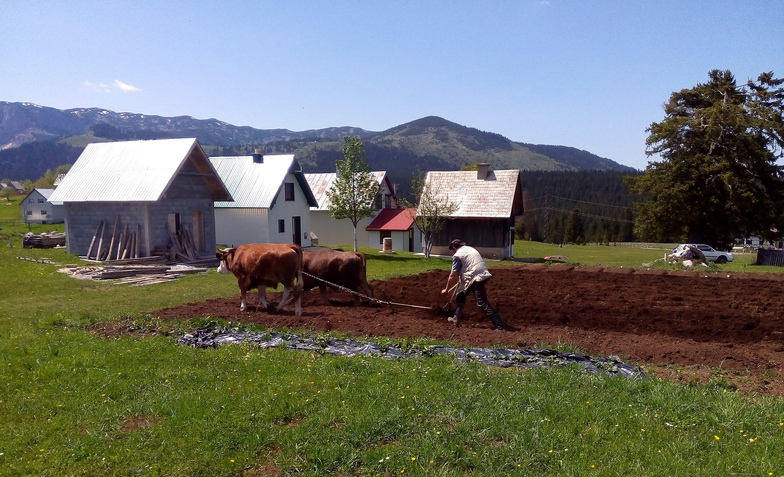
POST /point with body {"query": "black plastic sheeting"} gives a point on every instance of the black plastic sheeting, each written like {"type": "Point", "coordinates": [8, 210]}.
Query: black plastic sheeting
{"type": "Point", "coordinates": [506, 358]}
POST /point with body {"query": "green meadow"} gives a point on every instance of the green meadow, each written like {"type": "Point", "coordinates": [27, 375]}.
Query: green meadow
{"type": "Point", "coordinates": [73, 402]}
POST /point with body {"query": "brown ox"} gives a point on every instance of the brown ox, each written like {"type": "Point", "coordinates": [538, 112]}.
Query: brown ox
{"type": "Point", "coordinates": [345, 269]}
{"type": "Point", "coordinates": [262, 265]}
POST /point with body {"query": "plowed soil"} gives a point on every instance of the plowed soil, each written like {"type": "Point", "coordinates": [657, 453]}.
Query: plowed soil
{"type": "Point", "coordinates": [687, 326]}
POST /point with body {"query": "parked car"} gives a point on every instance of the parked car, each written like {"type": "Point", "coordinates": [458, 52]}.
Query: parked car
{"type": "Point", "coordinates": [711, 254]}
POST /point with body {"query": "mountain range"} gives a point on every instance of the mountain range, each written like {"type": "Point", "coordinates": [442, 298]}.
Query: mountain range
{"type": "Point", "coordinates": [36, 138]}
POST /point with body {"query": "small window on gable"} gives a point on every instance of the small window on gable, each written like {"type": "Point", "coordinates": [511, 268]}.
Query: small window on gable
{"type": "Point", "coordinates": [281, 225]}
{"type": "Point", "coordinates": [41, 201]}
{"type": "Point", "coordinates": [289, 190]}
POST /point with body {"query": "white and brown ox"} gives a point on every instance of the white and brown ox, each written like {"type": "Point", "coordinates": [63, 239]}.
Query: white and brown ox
{"type": "Point", "coordinates": [262, 265]}
{"type": "Point", "coordinates": [345, 269]}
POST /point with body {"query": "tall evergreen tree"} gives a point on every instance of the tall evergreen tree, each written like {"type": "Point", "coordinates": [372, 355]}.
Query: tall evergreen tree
{"type": "Point", "coordinates": [718, 176]}
{"type": "Point", "coordinates": [353, 194]}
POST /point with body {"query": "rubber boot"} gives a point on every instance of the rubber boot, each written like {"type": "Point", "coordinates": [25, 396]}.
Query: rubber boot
{"type": "Point", "coordinates": [498, 323]}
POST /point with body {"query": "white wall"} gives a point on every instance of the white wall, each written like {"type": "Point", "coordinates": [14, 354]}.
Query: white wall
{"type": "Point", "coordinates": [337, 232]}
{"type": "Point", "coordinates": [286, 210]}
{"type": "Point", "coordinates": [240, 226]}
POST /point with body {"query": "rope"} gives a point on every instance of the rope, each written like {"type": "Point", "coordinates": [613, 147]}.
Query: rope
{"type": "Point", "coordinates": [376, 300]}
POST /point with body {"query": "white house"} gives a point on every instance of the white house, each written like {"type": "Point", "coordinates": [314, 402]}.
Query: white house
{"type": "Point", "coordinates": [398, 226]}
{"type": "Point", "coordinates": [271, 203]}
{"type": "Point", "coordinates": [36, 208]}
{"type": "Point", "coordinates": [329, 231]}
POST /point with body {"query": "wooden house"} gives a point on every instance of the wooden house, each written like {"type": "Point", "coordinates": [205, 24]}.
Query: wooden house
{"type": "Point", "coordinates": [329, 231]}
{"type": "Point", "coordinates": [487, 203]}
{"type": "Point", "coordinates": [36, 208]}
{"type": "Point", "coordinates": [271, 200]}
{"type": "Point", "coordinates": [152, 191]}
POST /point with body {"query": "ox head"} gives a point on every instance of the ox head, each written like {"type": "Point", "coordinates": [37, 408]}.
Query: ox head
{"type": "Point", "coordinates": [225, 256]}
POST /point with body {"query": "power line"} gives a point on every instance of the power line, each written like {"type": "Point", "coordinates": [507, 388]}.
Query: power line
{"type": "Point", "coordinates": [576, 200]}
{"type": "Point", "coordinates": [568, 211]}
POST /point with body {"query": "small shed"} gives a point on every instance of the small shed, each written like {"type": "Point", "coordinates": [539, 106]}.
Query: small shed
{"type": "Point", "coordinates": [154, 190]}
{"type": "Point", "coordinates": [271, 200]}
{"type": "Point", "coordinates": [398, 226]}
{"type": "Point", "coordinates": [36, 208]}
{"type": "Point", "coordinates": [488, 202]}
{"type": "Point", "coordinates": [330, 231]}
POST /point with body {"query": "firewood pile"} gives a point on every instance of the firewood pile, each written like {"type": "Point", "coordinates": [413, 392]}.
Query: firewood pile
{"type": "Point", "coordinates": [44, 240]}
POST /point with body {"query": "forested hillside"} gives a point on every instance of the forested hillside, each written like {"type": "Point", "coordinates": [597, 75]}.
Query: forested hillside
{"type": "Point", "coordinates": [576, 207]}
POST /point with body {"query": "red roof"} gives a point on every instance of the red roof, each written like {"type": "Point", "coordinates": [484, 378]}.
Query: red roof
{"type": "Point", "coordinates": [393, 219]}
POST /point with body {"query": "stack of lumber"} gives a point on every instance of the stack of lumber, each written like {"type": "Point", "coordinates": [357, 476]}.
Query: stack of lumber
{"type": "Point", "coordinates": [132, 274]}
{"type": "Point", "coordinates": [120, 245]}
{"type": "Point", "coordinates": [44, 240]}
{"type": "Point", "coordinates": [182, 244]}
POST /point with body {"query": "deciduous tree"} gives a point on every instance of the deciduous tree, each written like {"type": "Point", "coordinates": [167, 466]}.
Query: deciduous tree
{"type": "Point", "coordinates": [353, 194]}
{"type": "Point", "coordinates": [718, 176]}
{"type": "Point", "coordinates": [433, 210]}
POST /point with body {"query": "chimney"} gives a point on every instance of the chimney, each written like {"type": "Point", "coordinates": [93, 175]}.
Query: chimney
{"type": "Point", "coordinates": [481, 171]}
{"type": "Point", "coordinates": [258, 157]}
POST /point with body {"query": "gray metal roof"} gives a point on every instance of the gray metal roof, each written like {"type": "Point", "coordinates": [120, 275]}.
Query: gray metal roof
{"type": "Point", "coordinates": [322, 182]}
{"type": "Point", "coordinates": [45, 193]}
{"type": "Point", "coordinates": [133, 171]}
{"type": "Point", "coordinates": [256, 185]}
{"type": "Point", "coordinates": [493, 197]}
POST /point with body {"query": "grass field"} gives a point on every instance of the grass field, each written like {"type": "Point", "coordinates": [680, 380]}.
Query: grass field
{"type": "Point", "coordinates": [75, 403]}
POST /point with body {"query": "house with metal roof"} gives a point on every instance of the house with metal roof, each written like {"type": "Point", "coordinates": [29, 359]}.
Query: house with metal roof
{"type": "Point", "coordinates": [36, 208]}
{"type": "Point", "coordinates": [487, 203]}
{"type": "Point", "coordinates": [154, 190]}
{"type": "Point", "coordinates": [270, 203]}
{"type": "Point", "coordinates": [397, 226]}
{"type": "Point", "coordinates": [329, 231]}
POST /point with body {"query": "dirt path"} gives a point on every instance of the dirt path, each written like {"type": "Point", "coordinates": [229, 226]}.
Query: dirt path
{"type": "Point", "coordinates": [678, 325]}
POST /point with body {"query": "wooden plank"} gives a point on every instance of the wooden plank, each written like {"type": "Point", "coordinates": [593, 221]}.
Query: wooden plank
{"type": "Point", "coordinates": [173, 238]}
{"type": "Point", "coordinates": [92, 242]}
{"type": "Point", "coordinates": [127, 250]}
{"type": "Point", "coordinates": [99, 253]}
{"type": "Point", "coordinates": [114, 233]}
{"type": "Point", "coordinates": [123, 237]}
{"type": "Point", "coordinates": [189, 248]}
{"type": "Point", "coordinates": [138, 235]}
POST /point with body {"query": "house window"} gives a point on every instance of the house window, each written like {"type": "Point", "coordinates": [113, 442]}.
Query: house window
{"type": "Point", "coordinates": [382, 234]}
{"type": "Point", "coordinates": [29, 212]}
{"type": "Point", "coordinates": [30, 201]}
{"type": "Point", "coordinates": [281, 226]}
{"type": "Point", "coordinates": [41, 201]}
{"type": "Point", "coordinates": [43, 212]}
{"type": "Point", "coordinates": [289, 191]}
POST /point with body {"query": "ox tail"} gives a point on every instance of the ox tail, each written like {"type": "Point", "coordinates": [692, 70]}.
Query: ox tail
{"type": "Point", "coordinates": [367, 289]}
{"type": "Point", "coordinates": [298, 288]}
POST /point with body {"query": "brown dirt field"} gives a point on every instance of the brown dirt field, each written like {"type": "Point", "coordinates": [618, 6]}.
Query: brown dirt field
{"type": "Point", "coordinates": [684, 326]}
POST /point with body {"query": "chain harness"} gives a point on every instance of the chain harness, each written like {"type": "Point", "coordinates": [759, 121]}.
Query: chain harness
{"type": "Point", "coordinates": [371, 299]}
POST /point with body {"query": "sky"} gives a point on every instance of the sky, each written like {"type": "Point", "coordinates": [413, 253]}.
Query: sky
{"type": "Point", "coordinates": [587, 74]}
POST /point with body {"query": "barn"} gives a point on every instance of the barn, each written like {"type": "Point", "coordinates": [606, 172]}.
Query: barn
{"type": "Point", "coordinates": [271, 200]}
{"type": "Point", "coordinates": [330, 231]}
{"type": "Point", "coordinates": [487, 203]}
{"type": "Point", "coordinates": [157, 189]}
{"type": "Point", "coordinates": [36, 208]}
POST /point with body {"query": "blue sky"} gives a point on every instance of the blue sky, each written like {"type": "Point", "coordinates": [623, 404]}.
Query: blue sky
{"type": "Point", "coordinates": [586, 74]}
